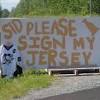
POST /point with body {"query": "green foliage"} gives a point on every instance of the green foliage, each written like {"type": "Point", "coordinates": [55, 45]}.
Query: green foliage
{"type": "Point", "coordinates": [5, 13]}
{"type": "Point", "coordinates": [13, 88]}
{"type": "Point", "coordinates": [96, 6]}
{"type": "Point", "coordinates": [55, 7]}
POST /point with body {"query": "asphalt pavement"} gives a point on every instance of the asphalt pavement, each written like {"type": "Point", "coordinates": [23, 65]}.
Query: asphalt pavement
{"type": "Point", "coordinates": [90, 94]}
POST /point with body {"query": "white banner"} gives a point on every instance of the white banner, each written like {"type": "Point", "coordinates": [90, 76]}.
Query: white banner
{"type": "Point", "coordinates": [57, 41]}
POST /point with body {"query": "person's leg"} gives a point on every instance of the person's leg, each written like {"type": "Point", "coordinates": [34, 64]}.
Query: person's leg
{"type": "Point", "coordinates": [3, 71]}
{"type": "Point", "coordinates": [9, 71]}
{"type": "Point", "coordinates": [12, 69]}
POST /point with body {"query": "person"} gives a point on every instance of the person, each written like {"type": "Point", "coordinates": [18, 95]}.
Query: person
{"type": "Point", "coordinates": [10, 59]}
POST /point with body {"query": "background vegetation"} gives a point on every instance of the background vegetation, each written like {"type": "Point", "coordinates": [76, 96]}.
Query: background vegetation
{"type": "Point", "coordinates": [54, 7]}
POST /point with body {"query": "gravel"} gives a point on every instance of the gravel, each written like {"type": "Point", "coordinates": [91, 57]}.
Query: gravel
{"type": "Point", "coordinates": [64, 84]}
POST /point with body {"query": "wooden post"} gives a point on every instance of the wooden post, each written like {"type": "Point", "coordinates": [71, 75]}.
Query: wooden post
{"type": "Point", "coordinates": [76, 72]}
{"type": "Point", "coordinates": [49, 72]}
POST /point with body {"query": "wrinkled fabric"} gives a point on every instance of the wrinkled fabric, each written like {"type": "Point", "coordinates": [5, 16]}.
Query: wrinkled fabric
{"type": "Point", "coordinates": [9, 58]}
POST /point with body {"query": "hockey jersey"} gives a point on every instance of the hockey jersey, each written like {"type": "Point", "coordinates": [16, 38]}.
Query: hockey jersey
{"type": "Point", "coordinates": [9, 54]}
{"type": "Point", "coordinates": [9, 58]}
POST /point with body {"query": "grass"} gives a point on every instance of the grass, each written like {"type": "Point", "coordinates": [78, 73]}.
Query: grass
{"type": "Point", "coordinates": [32, 79]}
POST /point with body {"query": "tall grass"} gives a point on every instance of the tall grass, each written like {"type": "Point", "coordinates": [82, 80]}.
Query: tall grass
{"type": "Point", "coordinates": [13, 88]}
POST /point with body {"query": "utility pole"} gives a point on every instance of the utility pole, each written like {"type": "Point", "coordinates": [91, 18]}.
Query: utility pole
{"type": "Point", "coordinates": [90, 3]}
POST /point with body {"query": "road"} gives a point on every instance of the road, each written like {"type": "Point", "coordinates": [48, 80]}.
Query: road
{"type": "Point", "coordinates": [69, 87]}
{"type": "Point", "coordinates": [90, 94]}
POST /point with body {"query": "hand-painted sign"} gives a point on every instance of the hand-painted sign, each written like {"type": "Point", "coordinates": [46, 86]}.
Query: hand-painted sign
{"type": "Point", "coordinates": [58, 41]}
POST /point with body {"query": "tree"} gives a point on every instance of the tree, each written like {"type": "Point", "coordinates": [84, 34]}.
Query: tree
{"type": "Point", "coordinates": [96, 6]}
{"type": "Point", "coordinates": [55, 7]}
{"type": "Point", "coordinates": [5, 13]}
{"type": "Point", "coordinates": [12, 12]}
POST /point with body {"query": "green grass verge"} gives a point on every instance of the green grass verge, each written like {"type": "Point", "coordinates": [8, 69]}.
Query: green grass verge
{"type": "Point", "coordinates": [13, 88]}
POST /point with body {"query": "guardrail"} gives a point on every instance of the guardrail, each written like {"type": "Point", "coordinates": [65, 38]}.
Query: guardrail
{"type": "Point", "coordinates": [52, 69]}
